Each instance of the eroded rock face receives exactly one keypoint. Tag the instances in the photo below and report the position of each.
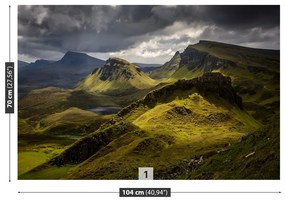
(197, 59)
(173, 64)
(209, 84)
(220, 85)
(114, 69)
(180, 111)
(88, 146)
(168, 68)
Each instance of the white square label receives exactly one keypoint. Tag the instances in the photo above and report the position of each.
(146, 173)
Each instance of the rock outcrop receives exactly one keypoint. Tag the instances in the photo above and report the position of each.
(194, 58)
(116, 68)
(88, 146)
(168, 68)
(116, 77)
(208, 84)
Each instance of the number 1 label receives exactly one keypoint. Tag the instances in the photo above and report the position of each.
(145, 173)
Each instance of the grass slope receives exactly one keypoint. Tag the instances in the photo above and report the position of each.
(52, 134)
(71, 122)
(255, 73)
(42, 102)
(121, 76)
(168, 134)
(164, 132)
(184, 133)
(255, 156)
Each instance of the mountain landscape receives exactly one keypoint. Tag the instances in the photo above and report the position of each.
(116, 76)
(35, 65)
(147, 67)
(210, 112)
(74, 66)
(22, 64)
(64, 73)
(169, 68)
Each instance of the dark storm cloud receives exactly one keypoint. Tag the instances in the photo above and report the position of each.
(57, 29)
(243, 16)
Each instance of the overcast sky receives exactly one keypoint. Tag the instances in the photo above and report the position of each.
(148, 34)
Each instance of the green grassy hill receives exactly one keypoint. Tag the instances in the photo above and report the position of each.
(255, 73)
(214, 115)
(175, 129)
(73, 121)
(42, 102)
(254, 156)
(116, 77)
(47, 123)
(52, 134)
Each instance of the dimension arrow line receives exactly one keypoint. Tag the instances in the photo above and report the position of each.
(227, 192)
(9, 113)
(175, 192)
(9, 33)
(9, 147)
(67, 192)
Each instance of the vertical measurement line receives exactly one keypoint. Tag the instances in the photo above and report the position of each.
(9, 33)
(9, 113)
(9, 147)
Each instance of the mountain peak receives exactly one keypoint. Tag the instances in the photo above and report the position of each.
(114, 61)
(208, 43)
(168, 68)
(42, 62)
(115, 77)
(70, 55)
(211, 44)
(76, 59)
(116, 68)
(205, 41)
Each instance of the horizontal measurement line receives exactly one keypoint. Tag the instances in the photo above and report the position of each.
(175, 192)
(66, 192)
(227, 192)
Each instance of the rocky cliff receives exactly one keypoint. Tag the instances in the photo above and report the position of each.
(168, 68)
(193, 58)
(117, 76)
(210, 84)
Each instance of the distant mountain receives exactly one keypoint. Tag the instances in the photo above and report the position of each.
(147, 67)
(41, 62)
(79, 62)
(63, 73)
(22, 64)
(36, 64)
(169, 68)
(255, 73)
(207, 56)
(117, 76)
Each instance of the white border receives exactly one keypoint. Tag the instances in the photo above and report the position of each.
(9, 191)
